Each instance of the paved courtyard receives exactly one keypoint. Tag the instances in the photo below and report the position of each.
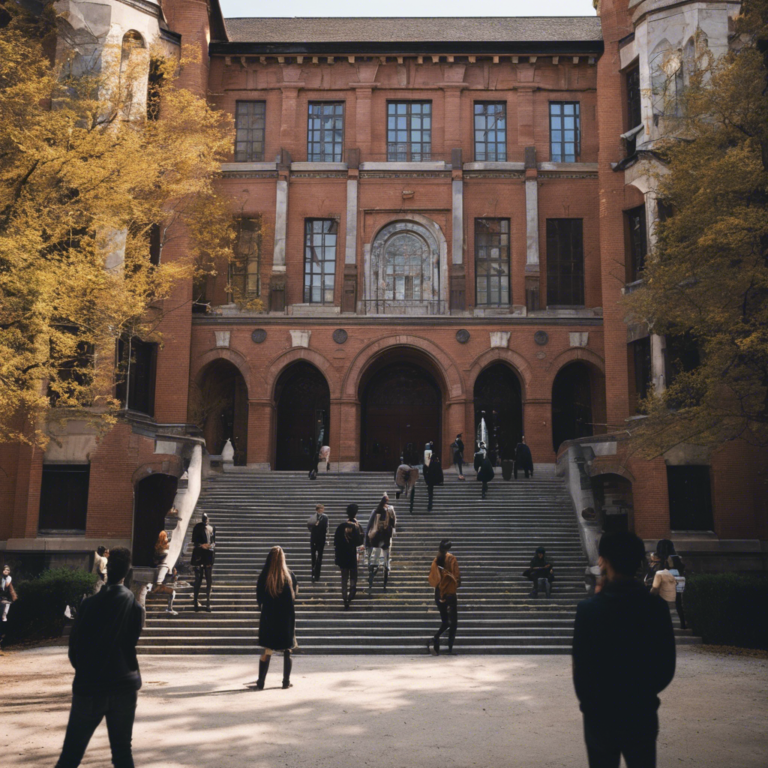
(381, 712)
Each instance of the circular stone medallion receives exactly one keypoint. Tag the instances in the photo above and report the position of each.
(462, 336)
(340, 336)
(541, 338)
(258, 336)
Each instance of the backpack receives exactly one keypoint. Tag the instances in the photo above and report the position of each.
(383, 523)
(312, 522)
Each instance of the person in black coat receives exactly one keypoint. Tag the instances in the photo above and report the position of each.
(433, 475)
(541, 572)
(204, 546)
(623, 657)
(276, 593)
(457, 448)
(348, 537)
(485, 474)
(318, 530)
(523, 459)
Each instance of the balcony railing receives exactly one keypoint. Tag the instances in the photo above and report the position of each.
(403, 307)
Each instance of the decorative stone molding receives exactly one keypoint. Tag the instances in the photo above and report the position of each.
(259, 336)
(222, 338)
(500, 339)
(578, 339)
(462, 336)
(300, 338)
(541, 338)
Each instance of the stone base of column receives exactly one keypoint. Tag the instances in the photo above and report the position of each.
(458, 288)
(349, 289)
(277, 293)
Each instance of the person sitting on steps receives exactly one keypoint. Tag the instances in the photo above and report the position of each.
(541, 573)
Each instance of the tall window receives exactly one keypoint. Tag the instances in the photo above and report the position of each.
(634, 118)
(565, 262)
(690, 498)
(564, 131)
(638, 243)
(137, 369)
(409, 131)
(492, 262)
(250, 117)
(325, 132)
(244, 271)
(320, 260)
(490, 132)
(641, 364)
(64, 498)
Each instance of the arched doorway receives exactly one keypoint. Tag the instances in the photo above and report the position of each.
(401, 411)
(498, 399)
(220, 407)
(303, 416)
(578, 403)
(614, 502)
(152, 499)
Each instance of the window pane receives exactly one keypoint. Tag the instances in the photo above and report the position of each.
(564, 131)
(565, 262)
(492, 262)
(319, 260)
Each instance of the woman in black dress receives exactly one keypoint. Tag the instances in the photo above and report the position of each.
(276, 596)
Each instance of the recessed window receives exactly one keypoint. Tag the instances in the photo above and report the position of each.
(690, 498)
(64, 498)
(325, 132)
(564, 130)
(490, 132)
(320, 236)
(640, 352)
(244, 271)
(137, 369)
(409, 131)
(250, 119)
(492, 262)
(638, 243)
(565, 263)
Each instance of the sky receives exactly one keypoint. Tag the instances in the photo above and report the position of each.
(408, 8)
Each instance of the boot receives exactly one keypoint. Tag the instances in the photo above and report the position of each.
(372, 569)
(386, 577)
(263, 669)
(287, 667)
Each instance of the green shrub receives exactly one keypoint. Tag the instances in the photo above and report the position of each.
(728, 609)
(39, 612)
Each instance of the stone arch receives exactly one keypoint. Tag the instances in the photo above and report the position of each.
(578, 398)
(427, 230)
(611, 468)
(511, 358)
(444, 364)
(572, 355)
(204, 360)
(286, 359)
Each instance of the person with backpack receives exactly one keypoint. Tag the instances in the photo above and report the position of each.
(318, 530)
(665, 550)
(406, 477)
(445, 577)
(276, 593)
(457, 451)
(347, 538)
(485, 474)
(378, 536)
(433, 475)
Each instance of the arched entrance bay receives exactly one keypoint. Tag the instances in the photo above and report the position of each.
(220, 407)
(401, 411)
(303, 403)
(578, 403)
(152, 500)
(498, 399)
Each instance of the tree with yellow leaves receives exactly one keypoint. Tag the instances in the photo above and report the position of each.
(705, 286)
(98, 172)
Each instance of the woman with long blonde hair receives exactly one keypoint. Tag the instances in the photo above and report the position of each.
(162, 548)
(276, 595)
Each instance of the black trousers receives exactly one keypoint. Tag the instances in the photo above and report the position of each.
(449, 614)
(84, 717)
(460, 466)
(635, 740)
(485, 487)
(348, 584)
(526, 473)
(430, 495)
(200, 571)
(316, 548)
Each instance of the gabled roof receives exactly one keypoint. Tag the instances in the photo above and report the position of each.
(481, 30)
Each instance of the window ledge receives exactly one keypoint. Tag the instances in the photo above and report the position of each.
(573, 167)
(318, 166)
(568, 312)
(487, 311)
(495, 166)
(229, 167)
(438, 165)
(313, 310)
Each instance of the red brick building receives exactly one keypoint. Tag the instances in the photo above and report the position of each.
(438, 219)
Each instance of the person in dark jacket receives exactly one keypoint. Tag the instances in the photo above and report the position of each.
(433, 475)
(445, 577)
(457, 449)
(623, 657)
(102, 650)
(523, 459)
(276, 593)
(203, 548)
(541, 572)
(348, 537)
(318, 530)
(485, 475)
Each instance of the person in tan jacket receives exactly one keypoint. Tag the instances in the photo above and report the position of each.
(445, 577)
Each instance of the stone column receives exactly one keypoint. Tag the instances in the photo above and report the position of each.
(349, 289)
(277, 280)
(658, 372)
(531, 211)
(458, 272)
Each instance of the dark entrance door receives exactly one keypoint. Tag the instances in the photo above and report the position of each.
(303, 411)
(498, 399)
(571, 404)
(153, 499)
(402, 409)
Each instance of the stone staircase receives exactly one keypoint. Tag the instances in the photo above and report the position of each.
(493, 540)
